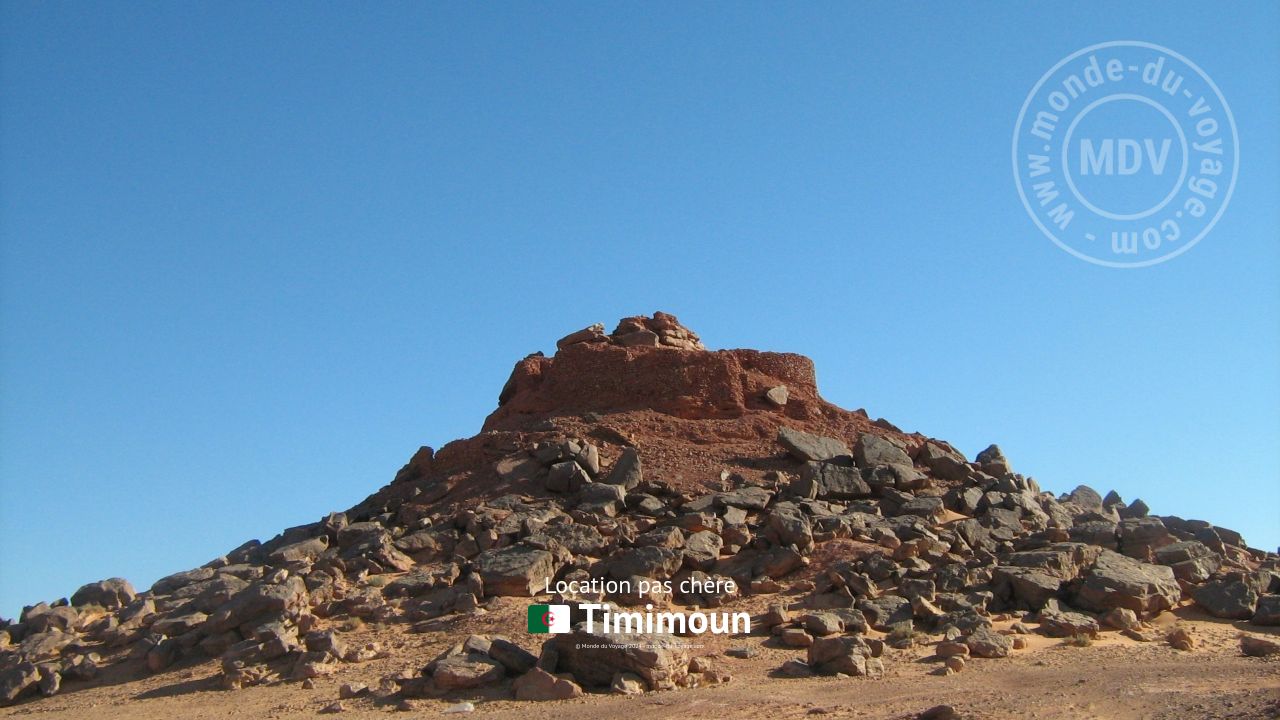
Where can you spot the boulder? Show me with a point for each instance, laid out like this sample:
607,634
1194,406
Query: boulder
567,477
930,508
884,612
518,570
806,447
300,552
1119,581
1191,560
1025,588
19,680
602,499
987,643
43,618
1085,498
175,625
822,623
44,646
992,462
1227,597
839,654
831,481
1141,537
943,463
590,334
538,684
655,562
169,583
111,594
577,538
778,562
1255,646
626,684
463,671
1058,622
884,478
747,498
1268,610
702,549
259,600
514,658
777,396
594,658
871,450
627,471
789,525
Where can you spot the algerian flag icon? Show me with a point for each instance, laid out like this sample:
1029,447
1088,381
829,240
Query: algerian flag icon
548,618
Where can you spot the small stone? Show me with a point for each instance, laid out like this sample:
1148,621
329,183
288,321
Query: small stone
1254,646
795,637
1120,619
462,707
1181,639
333,707
939,712
352,690
626,684
777,395
956,663
795,669
538,684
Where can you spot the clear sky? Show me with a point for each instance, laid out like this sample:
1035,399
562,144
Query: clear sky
254,255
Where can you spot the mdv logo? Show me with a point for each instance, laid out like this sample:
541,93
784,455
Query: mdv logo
1123,156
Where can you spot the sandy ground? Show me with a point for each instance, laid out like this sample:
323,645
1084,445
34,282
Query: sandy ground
1114,678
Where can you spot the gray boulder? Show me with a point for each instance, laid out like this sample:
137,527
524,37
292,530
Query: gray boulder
112,593
789,525
19,680
806,447
943,463
258,601
1268,610
702,549
627,470
987,643
567,477
1119,581
830,481
1191,560
871,450
464,671
839,654
993,462
1227,597
655,562
518,570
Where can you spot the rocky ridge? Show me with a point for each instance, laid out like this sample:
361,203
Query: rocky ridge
641,455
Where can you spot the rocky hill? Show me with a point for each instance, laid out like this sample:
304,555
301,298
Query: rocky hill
639,455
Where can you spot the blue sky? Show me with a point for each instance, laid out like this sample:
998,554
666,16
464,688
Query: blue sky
253,256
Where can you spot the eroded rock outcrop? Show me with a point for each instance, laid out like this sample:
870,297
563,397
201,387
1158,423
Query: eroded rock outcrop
641,457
